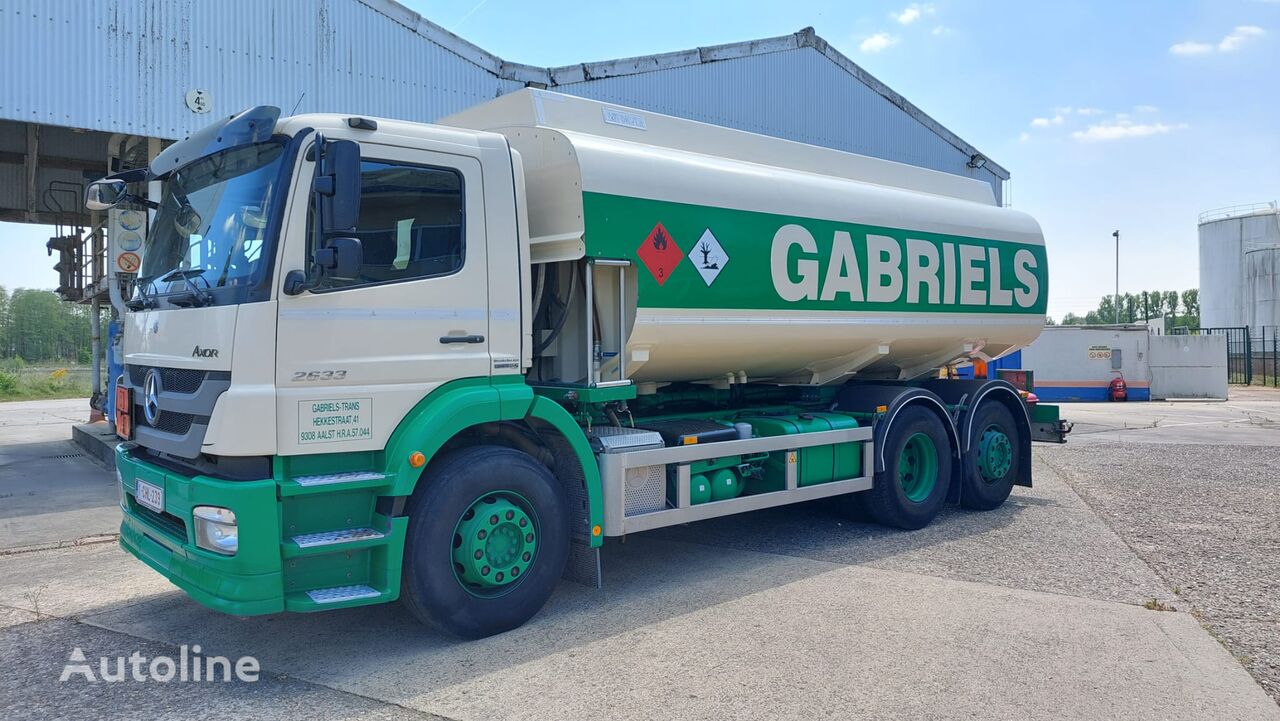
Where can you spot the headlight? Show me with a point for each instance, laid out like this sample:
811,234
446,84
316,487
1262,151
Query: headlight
216,530
124,500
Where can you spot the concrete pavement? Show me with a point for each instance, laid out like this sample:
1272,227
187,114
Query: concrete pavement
50,492
1033,610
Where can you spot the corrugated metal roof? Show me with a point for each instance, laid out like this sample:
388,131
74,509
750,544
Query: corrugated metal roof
754,49
126,66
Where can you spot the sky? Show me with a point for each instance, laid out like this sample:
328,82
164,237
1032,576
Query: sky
1133,116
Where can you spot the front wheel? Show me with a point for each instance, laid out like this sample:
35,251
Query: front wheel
911,490
487,542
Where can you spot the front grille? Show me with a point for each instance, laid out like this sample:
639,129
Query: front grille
174,380
169,421
166,523
185,398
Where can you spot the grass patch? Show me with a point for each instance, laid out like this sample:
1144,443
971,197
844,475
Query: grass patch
1156,604
28,383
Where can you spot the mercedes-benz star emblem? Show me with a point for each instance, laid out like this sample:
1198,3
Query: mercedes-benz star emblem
151,397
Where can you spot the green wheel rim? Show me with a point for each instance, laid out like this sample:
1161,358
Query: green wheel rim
995,454
918,467
495,543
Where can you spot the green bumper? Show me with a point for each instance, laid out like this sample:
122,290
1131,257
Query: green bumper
270,572
248,583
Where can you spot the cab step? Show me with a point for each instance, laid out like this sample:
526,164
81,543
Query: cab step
334,482
331,478
334,538
342,594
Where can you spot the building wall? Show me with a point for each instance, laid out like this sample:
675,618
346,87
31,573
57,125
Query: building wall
1154,367
1188,366
126,65
796,94
1064,370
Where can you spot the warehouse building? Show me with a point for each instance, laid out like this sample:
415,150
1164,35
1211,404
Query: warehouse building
131,73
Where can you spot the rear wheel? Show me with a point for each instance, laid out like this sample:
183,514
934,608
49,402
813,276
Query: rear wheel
994,457
487,542
911,490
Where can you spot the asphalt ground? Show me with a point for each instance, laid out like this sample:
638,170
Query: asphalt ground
1041,609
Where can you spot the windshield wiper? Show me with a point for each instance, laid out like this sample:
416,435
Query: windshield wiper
195,296
143,301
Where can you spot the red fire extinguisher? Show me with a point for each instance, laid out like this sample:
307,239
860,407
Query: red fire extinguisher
1118,390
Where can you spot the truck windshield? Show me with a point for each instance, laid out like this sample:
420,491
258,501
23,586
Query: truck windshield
209,241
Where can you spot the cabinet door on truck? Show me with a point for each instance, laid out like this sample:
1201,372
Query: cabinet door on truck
355,354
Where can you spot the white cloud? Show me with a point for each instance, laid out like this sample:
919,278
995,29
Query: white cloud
1145,109
1064,110
1123,130
1234,40
912,13
877,42
1046,122
1191,47
1090,111
943,30
1025,137
1239,37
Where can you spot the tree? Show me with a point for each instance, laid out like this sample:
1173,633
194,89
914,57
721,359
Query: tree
1191,301
1106,312
1157,303
1171,302
1128,306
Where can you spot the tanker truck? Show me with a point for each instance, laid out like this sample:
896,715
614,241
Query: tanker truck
369,360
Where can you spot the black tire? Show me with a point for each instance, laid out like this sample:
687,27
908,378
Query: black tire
978,491
888,502
431,589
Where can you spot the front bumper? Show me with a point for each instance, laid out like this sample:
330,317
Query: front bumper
248,583
302,546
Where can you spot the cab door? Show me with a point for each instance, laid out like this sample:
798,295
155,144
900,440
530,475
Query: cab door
354,355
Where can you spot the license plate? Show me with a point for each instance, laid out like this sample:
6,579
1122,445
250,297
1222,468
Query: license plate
149,495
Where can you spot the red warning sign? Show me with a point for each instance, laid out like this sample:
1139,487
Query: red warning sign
128,262
660,253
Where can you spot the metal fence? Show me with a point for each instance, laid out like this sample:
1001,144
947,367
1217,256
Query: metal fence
1265,360
1253,354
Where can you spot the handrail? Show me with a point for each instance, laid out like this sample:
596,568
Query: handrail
1235,211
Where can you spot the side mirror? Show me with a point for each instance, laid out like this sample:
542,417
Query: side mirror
340,258
337,185
105,194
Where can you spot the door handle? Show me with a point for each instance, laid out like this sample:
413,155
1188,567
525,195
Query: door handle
461,339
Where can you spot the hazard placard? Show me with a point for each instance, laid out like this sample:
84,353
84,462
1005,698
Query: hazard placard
128,262
660,254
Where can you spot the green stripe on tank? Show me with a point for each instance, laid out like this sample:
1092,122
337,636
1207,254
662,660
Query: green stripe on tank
765,261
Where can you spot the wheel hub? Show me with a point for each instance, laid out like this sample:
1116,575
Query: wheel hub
995,455
494,542
918,467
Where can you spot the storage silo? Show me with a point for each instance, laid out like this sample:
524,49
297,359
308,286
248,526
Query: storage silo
1240,266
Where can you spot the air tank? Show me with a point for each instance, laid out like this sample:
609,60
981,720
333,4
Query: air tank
1240,266
746,257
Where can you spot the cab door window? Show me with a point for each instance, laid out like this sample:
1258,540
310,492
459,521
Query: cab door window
410,227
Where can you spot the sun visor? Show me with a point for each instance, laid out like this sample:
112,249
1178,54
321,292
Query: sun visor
250,126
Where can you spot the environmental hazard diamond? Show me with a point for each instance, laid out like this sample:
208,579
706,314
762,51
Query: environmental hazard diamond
708,257
660,254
